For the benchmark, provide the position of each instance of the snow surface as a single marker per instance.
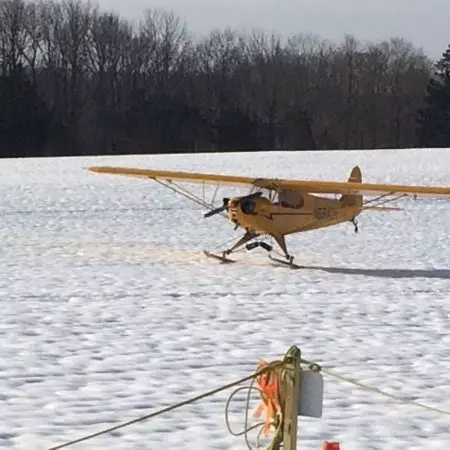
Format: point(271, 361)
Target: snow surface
point(110, 310)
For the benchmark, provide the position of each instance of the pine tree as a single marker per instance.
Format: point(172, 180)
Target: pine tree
point(434, 118)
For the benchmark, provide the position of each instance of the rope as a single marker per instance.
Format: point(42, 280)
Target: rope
point(247, 428)
point(173, 407)
point(274, 368)
point(272, 400)
point(367, 387)
point(272, 419)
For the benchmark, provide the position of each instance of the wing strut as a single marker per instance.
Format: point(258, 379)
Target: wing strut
point(378, 203)
point(187, 194)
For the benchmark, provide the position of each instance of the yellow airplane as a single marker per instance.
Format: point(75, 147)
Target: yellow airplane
point(288, 206)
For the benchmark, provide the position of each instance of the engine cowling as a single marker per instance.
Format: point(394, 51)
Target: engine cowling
point(244, 212)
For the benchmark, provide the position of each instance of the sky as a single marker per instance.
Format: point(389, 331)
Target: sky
point(423, 22)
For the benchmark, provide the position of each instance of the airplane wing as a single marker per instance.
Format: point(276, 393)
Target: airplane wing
point(310, 186)
point(183, 177)
point(349, 188)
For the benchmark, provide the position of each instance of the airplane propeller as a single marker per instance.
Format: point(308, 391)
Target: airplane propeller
point(226, 202)
point(218, 210)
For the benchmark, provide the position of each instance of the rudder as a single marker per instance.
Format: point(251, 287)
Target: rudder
point(355, 175)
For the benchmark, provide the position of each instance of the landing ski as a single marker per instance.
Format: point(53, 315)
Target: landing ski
point(286, 263)
point(222, 259)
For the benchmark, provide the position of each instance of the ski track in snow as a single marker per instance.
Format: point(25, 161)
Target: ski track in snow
point(110, 310)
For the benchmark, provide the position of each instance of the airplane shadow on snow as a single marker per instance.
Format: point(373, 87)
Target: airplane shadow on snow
point(385, 273)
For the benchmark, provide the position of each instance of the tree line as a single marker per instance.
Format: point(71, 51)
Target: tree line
point(77, 80)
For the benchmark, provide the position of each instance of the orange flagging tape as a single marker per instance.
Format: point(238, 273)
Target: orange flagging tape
point(269, 386)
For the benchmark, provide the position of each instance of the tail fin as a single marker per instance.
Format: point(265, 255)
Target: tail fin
point(353, 200)
point(355, 175)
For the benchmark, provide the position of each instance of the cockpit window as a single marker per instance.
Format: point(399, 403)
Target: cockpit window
point(290, 198)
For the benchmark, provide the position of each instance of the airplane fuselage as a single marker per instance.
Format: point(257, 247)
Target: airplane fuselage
point(260, 215)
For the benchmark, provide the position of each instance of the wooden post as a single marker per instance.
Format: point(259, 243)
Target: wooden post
point(291, 388)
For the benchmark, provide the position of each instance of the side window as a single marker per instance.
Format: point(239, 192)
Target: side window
point(291, 199)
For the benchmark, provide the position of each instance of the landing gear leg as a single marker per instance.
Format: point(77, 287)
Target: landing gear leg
point(282, 243)
point(289, 258)
point(248, 236)
point(355, 223)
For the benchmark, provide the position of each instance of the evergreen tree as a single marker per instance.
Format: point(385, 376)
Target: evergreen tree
point(434, 118)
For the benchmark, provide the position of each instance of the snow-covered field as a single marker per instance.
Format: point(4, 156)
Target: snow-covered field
point(110, 310)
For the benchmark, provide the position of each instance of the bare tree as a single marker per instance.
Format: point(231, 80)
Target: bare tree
point(268, 60)
point(110, 41)
point(218, 57)
point(71, 73)
point(12, 35)
point(407, 80)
